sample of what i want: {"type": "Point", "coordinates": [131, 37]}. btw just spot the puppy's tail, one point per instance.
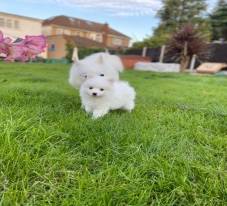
{"type": "Point", "coordinates": [115, 62]}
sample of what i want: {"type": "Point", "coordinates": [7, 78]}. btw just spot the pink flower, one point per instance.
{"type": "Point", "coordinates": [37, 41]}
{"type": "Point", "coordinates": [3, 43]}
{"type": "Point", "coordinates": [14, 52]}
{"type": "Point", "coordinates": [33, 45]}
{"type": "Point", "coordinates": [27, 48]}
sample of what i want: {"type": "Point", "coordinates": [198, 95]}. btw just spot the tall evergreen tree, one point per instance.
{"type": "Point", "coordinates": [219, 21]}
{"type": "Point", "coordinates": [175, 13]}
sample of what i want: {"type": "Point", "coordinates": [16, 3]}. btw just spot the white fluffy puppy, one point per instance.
{"type": "Point", "coordinates": [102, 64]}
{"type": "Point", "coordinates": [101, 94]}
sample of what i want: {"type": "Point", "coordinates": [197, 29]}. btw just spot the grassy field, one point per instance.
{"type": "Point", "coordinates": [170, 150]}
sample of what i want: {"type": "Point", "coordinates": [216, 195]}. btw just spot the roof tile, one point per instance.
{"type": "Point", "coordinates": [80, 24]}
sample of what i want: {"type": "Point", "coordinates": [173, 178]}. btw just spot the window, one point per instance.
{"type": "Point", "coordinates": [59, 31]}
{"type": "Point", "coordinates": [78, 33]}
{"type": "Point", "coordinates": [63, 31]}
{"type": "Point", "coordinates": [2, 22]}
{"type": "Point", "coordinates": [66, 31]}
{"type": "Point", "coordinates": [16, 24]}
{"type": "Point", "coordinates": [52, 47]}
{"type": "Point", "coordinates": [9, 23]}
{"type": "Point", "coordinates": [117, 41]}
{"type": "Point", "coordinates": [98, 38]}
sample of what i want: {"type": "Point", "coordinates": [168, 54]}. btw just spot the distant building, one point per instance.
{"type": "Point", "coordinates": [16, 26]}
{"type": "Point", "coordinates": [57, 44]}
{"type": "Point", "coordinates": [61, 29]}
{"type": "Point", "coordinates": [83, 33]}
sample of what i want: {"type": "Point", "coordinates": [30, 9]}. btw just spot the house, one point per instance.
{"type": "Point", "coordinates": [83, 33]}
{"type": "Point", "coordinates": [61, 29]}
{"type": "Point", "coordinates": [16, 26]}
{"type": "Point", "coordinates": [57, 44]}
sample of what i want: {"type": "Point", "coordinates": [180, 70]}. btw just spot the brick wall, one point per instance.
{"type": "Point", "coordinates": [56, 47]}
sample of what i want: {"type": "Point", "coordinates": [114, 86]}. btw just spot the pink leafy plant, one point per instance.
{"type": "Point", "coordinates": [22, 49]}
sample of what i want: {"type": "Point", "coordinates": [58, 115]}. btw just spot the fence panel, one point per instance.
{"type": "Point", "coordinates": [154, 53]}
{"type": "Point", "coordinates": [218, 54]}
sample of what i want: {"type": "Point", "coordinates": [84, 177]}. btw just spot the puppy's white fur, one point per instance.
{"type": "Point", "coordinates": [96, 64]}
{"type": "Point", "coordinates": [101, 94]}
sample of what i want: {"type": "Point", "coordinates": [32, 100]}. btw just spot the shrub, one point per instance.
{"type": "Point", "coordinates": [185, 43]}
{"type": "Point", "coordinates": [83, 52]}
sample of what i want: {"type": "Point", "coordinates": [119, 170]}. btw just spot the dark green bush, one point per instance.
{"type": "Point", "coordinates": [83, 52]}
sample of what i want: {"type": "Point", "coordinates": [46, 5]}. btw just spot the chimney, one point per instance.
{"type": "Point", "coordinates": [106, 31]}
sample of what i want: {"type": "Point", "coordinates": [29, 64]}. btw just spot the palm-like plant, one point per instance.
{"type": "Point", "coordinates": [186, 42]}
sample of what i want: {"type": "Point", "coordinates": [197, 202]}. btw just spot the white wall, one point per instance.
{"type": "Point", "coordinates": [47, 30]}
{"type": "Point", "coordinates": [24, 26]}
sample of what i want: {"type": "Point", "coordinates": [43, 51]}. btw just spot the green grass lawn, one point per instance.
{"type": "Point", "coordinates": [170, 150]}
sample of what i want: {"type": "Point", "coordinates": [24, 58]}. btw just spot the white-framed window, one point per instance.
{"type": "Point", "coordinates": [16, 24]}
{"type": "Point", "coordinates": [78, 33]}
{"type": "Point", "coordinates": [2, 22]}
{"type": "Point", "coordinates": [66, 31]}
{"type": "Point", "coordinates": [63, 31]}
{"type": "Point", "coordinates": [59, 31]}
{"type": "Point", "coordinates": [98, 38]}
{"type": "Point", "coordinates": [117, 41]}
{"type": "Point", "coordinates": [9, 23]}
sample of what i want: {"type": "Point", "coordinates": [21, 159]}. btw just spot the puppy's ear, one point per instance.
{"type": "Point", "coordinates": [111, 80]}
{"type": "Point", "coordinates": [75, 57]}
{"type": "Point", "coordinates": [76, 60]}
{"type": "Point", "coordinates": [106, 51]}
{"type": "Point", "coordinates": [101, 58]}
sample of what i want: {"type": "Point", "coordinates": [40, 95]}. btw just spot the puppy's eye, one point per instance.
{"type": "Point", "coordinates": [90, 87]}
{"type": "Point", "coordinates": [102, 75]}
{"type": "Point", "coordinates": [101, 89]}
{"type": "Point", "coordinates": [85, 76]}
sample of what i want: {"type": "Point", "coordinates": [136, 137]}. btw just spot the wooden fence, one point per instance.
{"type": "Point", "coordinates": [218, 54]}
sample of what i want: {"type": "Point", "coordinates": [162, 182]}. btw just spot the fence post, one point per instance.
{"type": "Point", "coordinates": [144, 51]}
{"type": "Point", "coordinates": [192, 62]}
{"type": "Point", "coordinates": [162, 54]}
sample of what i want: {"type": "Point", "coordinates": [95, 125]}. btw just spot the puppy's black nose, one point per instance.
{"type": "Point", "coordinates": [94, 93]}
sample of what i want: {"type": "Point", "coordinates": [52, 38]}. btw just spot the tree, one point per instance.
{"type": "Point", "coordinates": [151, 42]}
{"type": "Point", "coordinates": [219, 21]}
{"type": "Point", "coordinates": [175, 13]}
{"type": "Point", "coordinates": [185, 43]}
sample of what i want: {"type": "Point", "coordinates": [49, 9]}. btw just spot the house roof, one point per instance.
{"type": "Point", "coordinates": [21, 17]}
{"type": "Point", "coordinates": [84, 42]}
{"type": "Point", "coordinates": [80, 24]}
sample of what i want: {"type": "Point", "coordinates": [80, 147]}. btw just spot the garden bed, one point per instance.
{"type": "Point", "coordinates": [130, 60]}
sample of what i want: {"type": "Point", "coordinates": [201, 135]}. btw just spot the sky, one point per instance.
{"type": "Point", "coordinates": [134, 18]}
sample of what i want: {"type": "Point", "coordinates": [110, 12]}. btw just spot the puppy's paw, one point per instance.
{"type": "Point", "coordinates": [99, 113]}
{"type": "Point", "coordinates": [88, 109]}
{"type": "Point", "coordinates": [129, 106]}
